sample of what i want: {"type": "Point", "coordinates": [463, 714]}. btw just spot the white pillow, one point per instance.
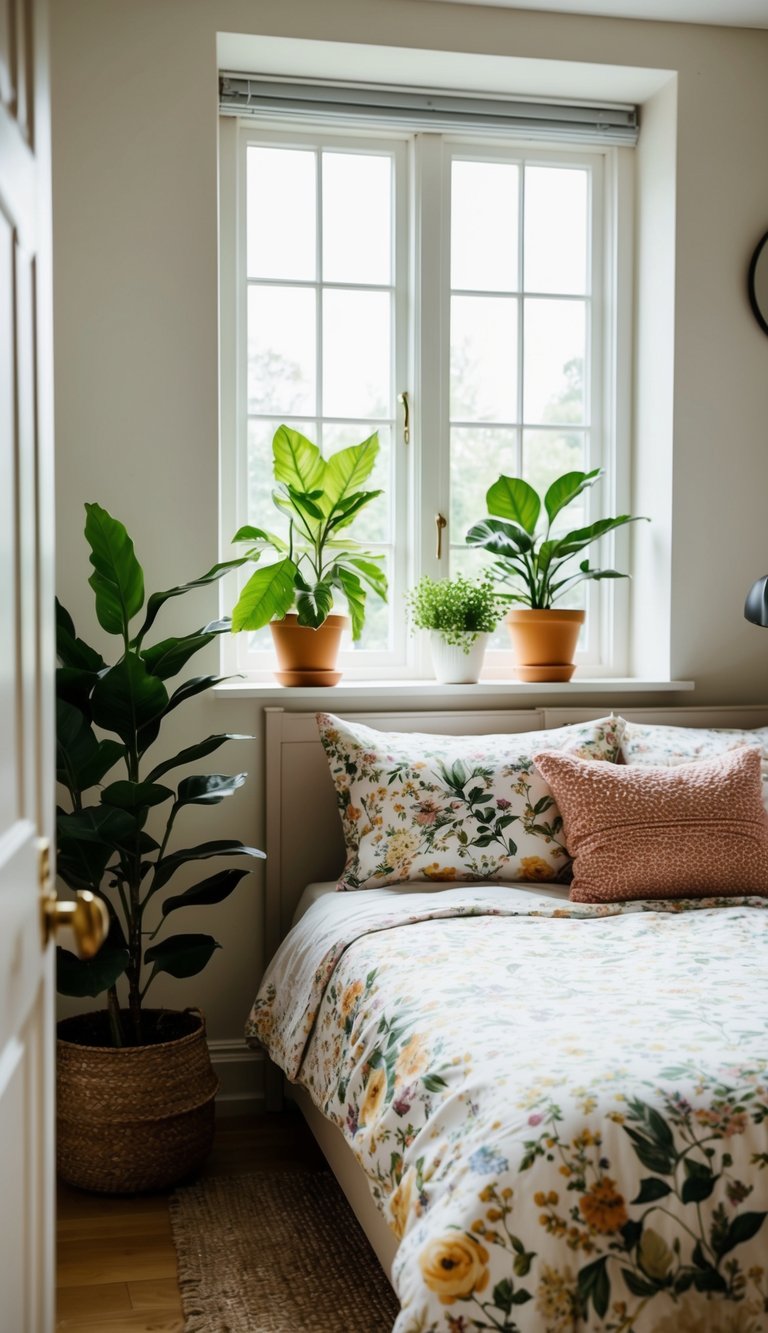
{"type": "Point", "coordinates": [421, 807]}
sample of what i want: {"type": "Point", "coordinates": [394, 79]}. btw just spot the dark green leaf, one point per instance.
{"type": "Point", "coordinates": [708, 1279]}
{"type": "Point", "coordinates": [208, 788]}
{"type": "Point", "coordinates": [742, 1229]}
{"type": "Point", "coordinates": [504, 539]}
{"type": "Point", "coordinates": [576, 541]}
{"type": "Point", "coordinates": [81, 760]}
{"type": "Point", "coordinates": [638, 1285]}
{"type": "Point", "coordinates": [181, 955]}
{"type": "Point", "coordinates": [127, 698]}
{"type": "Point", "coordinates": [651, 1156]}
{"type": "Point", "coordinates": [511, 497]}
{"type": "Point", "coordinates": [651, 1188]}
{"type": "Point", "coordinates": [212, 890]}
{"type": "Point", "coordinates": [158, 599]}
{"type": "Point", "coordinates": [314, 604]}
{"type": "Point", "coordinates": [349, 509]}
{"type": "Point", "coordinates": [117, 579]}
{"type": "Point", "coordinates": [370, 572]}
{"type": "Point", "coordinates": [305, 504]}
{"type": "Point", "coordinates": [134, 796]}
{"type": "Point", "coordinates": [502, 1295]}
{"type": "Point", "coordinates": [195, 685]}
{"type": "Point", "coordinates": [221, 847]}
{"type": "Point", "coordinates": [73, 652]}
{"type": "Point", "coordinates": [195, 752]}
{"type": "Point", "coordinates": [89, 976]}
{"type": "Point", "coordinates": [267, 595]}
{"type": "Point", "coordinates": [594, 1285]}
{"type": "Point", "coordinates": [697, 1188]}
{"type": "Point", "coordinates": [166, 659]}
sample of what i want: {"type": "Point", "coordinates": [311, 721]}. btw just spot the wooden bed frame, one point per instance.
{"type": "Point", "coordinates": [304, 845]}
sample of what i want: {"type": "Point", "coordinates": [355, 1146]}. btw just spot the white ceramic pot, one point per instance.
{"type": "Point", "coordinates": [451, 665]}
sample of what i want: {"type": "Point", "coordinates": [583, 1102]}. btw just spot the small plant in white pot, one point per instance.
{"type": "Point", "coordinates": [460, 616]}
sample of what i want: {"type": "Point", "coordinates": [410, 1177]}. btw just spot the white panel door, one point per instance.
{"type": "Point", "coordinates": [26, 672]}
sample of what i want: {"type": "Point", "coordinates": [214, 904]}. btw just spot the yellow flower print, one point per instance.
{"type": "Point", "coordinates": [411, 1060]}
{"type": "Point", "coordinates": [401, 846]}
{"type": "Point", "coordinates": [375, 1090]}
{"type": "Point", "coordinates": [603, 1208]}
{"type": "Point", "coordinates": [348, 999]}
{"type": "Point", "coordinates": [435, 871]}
{"type": "Point", "coordinates": [454, 1266]}
{"type": "Point", "coordinates": [533, 867]}
{"type": "Point", "coordinates": [556, 1298]}
{"type": "Point", "coordinates": [400, 1203]}
{"type": "Point", "coordinates": [354, 813]}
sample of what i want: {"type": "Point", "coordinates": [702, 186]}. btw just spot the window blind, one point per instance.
{"type": "Point", "coordinates": [298, 101]}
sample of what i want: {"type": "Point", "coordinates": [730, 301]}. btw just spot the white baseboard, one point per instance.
{"type": "Point", "coordinates": [240, 1072]}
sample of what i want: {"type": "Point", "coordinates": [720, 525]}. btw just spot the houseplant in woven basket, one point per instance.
{"type": "Point", "coordinates": [459, 615]}
{"type": "Point", "coordinates": [135, 1085]}
{"type": "Point", "coordinates": [317, 561]}
{"type": "Point", "coordinates": [532, 567]}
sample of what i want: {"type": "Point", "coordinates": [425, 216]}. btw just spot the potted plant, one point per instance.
{"type": "Point", "coordinates": [321, 497]}
{"type": "Point", "coordinates": [532, 567]}
{"type": "Point", "coordinates": [135, 1085]}
{"type": "Point", "coordinates": [460, 616]}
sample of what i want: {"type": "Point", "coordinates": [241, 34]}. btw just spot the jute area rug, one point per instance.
{"type": "Point", "coordinates": [276, 1252]}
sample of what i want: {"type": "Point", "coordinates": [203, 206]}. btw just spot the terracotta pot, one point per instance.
{"type": "Point", "coordinates": [307, 656]}
{"type": "Point", "coordinates": [544, 642]}
{"type": "Point", "coordinates": [133, 1118]}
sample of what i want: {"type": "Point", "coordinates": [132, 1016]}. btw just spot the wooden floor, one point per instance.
{"type": "Point", "coordinates": [116, 1260]}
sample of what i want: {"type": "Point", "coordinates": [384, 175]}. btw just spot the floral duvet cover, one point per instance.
{"type": "Point", "coordinates": [562, 1109]}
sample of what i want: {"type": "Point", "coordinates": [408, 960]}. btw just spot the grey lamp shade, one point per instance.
{"type": "Point", "coordinates": [756, 605]}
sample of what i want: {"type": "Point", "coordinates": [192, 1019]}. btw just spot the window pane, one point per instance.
{"type": "Point", "coordinates": [484, 226]}
{"type": "Point", "coordinates": [357, 218]}
{"type": "Point", "coordinates": [547, 455]}
{"type": "Point", "coordinates": [374, 522]}
{"type": "Point", "coordinates": [556, 214]}
{"type": "Point", "coordinates": [478, 456]}
{"type": "Point", "coordinates": [554, 362]}
{"type": "Point", "coordinates": [280, 213]}
{"type": "Point", "coordinates": [281, 350]}
{"type": "Point", "coordinates": [357, 354]}
{"type": "Point", "coordinates": [483, 358]}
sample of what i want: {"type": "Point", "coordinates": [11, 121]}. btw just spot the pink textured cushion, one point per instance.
{"type": "Point", "coordinates": [694, 831]}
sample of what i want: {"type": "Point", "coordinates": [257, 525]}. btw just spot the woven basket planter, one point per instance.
{"type": "Point", "coordinates": [133, 1118]}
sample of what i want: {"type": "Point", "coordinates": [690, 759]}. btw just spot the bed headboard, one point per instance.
{"type": "Point", "coordinates": [303, 830]}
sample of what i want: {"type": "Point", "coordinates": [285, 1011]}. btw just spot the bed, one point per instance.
{"type": "Point", "coordinates": [547, 1115]}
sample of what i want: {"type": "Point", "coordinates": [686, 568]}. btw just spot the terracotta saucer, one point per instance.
{"type": "Point", "coordinates": [318, 677]}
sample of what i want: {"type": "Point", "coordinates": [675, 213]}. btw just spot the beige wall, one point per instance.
{"type": "Point", "coordinates": [136, 332]}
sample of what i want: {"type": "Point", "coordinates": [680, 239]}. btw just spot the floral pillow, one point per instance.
{"type": "Point", "coordinates": [666, 747]}
{"type": "Point", "coordinates": [463, 808]}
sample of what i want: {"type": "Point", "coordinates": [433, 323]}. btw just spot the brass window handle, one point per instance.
{"type": "Point", "coordinates": [403, 398]}
{"type": "Point", "coordinates": [440, 523]}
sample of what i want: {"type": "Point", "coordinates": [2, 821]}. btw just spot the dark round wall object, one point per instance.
{"type": "Point", "coordinates": [757, 283]}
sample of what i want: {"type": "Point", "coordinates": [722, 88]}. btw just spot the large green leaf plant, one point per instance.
{"type": "Point", "coordinates": [321, 497]}
{"type": "Point", "coordinates": [532, 565]}
{"type": "Point", "coordinates": [109, 717]}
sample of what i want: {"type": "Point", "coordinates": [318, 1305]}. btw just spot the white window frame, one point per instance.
{"type": "Point", "coordinates": [421, 481]}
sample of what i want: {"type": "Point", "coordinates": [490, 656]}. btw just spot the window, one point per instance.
{"type": "Point", "coordinates": [475, 276]}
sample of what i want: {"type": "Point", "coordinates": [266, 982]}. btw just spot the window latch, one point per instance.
{"type": "Point", "coordinates": [403, 398]}
{"type": "Point", "coordinates": [440, 523]}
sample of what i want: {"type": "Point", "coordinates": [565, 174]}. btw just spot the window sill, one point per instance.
{"type": "Point", "coordinates": [404, 691]}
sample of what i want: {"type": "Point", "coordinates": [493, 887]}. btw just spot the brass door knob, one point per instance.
{"type": "Point", "coordinates": [87, 917]}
